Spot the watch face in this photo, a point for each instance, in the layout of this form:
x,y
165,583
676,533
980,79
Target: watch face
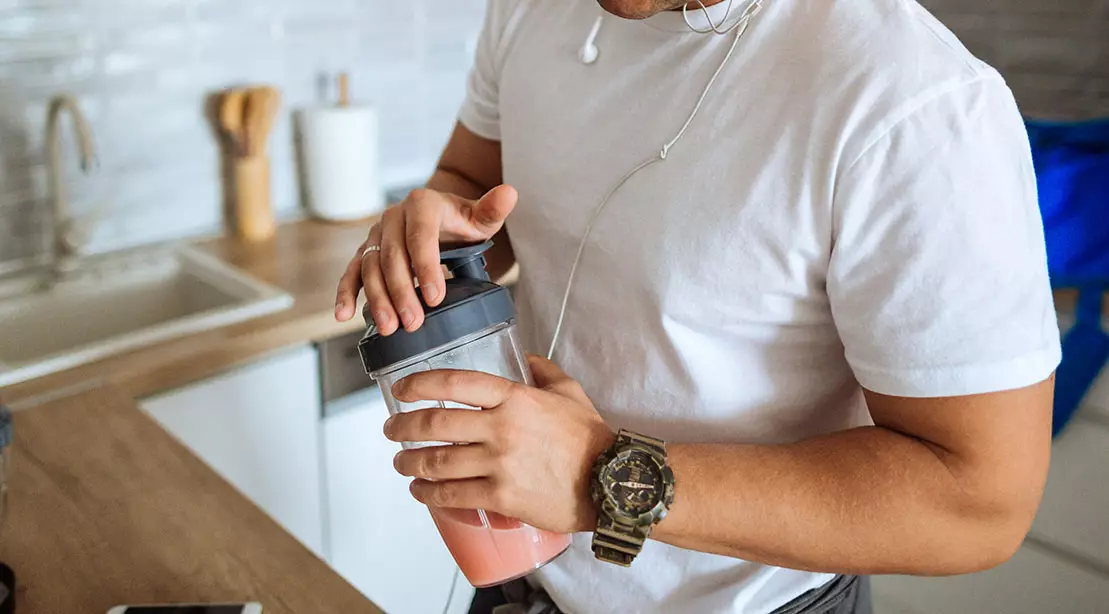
x,y
634,482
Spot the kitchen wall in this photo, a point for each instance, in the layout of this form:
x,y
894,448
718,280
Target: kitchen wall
x,y
1054,53
142,68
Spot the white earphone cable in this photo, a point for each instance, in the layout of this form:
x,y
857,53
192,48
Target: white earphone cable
x,y
716,27
740,27
744,20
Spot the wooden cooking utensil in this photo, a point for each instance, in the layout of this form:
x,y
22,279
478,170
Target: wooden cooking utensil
x,y
251,116
344,90
252,215
261,109
252,211
272,105
231,114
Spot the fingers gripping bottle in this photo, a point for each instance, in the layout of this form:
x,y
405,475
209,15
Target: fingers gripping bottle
x,y
473,329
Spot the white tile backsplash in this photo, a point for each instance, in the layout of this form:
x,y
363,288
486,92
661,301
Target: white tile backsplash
x,y
142,69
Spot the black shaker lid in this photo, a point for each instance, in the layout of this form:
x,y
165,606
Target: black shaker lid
x,y
472,303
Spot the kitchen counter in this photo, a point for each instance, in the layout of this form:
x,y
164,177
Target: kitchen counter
x,y
304,258
106,508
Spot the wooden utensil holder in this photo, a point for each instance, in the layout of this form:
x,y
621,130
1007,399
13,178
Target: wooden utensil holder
x,y
251,211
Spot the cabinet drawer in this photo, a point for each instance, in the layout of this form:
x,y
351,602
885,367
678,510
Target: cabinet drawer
x,y
1074,514
1033,582
258,427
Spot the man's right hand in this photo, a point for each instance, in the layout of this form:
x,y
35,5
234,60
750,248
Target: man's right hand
x,y
409,235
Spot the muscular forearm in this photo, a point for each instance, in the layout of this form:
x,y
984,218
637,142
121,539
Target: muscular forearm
x,y
450,181
499,259
864,501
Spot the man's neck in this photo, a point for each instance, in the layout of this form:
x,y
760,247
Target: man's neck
x,y
694,6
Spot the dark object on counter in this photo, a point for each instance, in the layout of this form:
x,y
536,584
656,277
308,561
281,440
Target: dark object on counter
x,y
7,576
7,589
6,435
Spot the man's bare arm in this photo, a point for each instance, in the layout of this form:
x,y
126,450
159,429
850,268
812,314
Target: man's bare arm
x,y
469,167
937,487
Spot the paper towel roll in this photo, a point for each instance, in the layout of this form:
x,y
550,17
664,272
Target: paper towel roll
x,y
339,162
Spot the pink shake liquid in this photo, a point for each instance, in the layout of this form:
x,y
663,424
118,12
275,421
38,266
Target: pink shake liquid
x,y
491,549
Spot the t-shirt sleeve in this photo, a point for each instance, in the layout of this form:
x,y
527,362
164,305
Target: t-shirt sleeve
x,y
480,111
938,278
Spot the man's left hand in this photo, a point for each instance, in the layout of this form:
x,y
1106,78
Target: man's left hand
x,y
529,453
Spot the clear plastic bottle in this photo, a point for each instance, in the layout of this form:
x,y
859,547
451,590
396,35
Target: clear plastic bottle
x,y
474,329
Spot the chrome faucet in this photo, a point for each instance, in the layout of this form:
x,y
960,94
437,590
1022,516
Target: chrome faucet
x,y
66,244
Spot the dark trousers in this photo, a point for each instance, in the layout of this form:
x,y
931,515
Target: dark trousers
x,y
844,595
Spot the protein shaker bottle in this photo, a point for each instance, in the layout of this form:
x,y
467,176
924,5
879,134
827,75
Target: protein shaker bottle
x,y
473,329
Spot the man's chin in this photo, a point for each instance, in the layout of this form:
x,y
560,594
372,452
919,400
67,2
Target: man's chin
x,y
630,9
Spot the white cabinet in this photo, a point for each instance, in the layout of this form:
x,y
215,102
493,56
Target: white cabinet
x,y
1033,582
258,427
381,539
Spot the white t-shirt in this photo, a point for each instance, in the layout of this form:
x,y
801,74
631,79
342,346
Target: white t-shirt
x,y
854,205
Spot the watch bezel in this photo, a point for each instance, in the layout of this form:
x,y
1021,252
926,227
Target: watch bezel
x,y
607,501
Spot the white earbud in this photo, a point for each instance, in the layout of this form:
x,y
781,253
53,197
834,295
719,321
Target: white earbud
x,y
589,51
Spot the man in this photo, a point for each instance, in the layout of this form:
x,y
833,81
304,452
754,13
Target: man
x,y
829,300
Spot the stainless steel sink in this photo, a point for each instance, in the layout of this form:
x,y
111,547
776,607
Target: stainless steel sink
x,y
120,303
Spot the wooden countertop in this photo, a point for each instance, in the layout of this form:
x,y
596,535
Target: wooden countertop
x,y
106,509
304,258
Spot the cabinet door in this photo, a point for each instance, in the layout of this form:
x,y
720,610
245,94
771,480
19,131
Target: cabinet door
x,y
381,539
258,427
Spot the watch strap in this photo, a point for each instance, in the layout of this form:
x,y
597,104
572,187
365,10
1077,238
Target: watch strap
x,y
624,438
616,542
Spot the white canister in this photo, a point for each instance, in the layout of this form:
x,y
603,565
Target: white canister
x,y
339,166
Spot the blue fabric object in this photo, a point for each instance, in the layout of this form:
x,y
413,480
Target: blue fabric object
x,y
1072,172
1085,352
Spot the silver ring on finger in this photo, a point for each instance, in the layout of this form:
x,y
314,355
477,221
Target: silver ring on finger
x,y
370,249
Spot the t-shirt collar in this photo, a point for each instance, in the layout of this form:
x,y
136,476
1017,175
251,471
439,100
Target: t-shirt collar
x,y
671,21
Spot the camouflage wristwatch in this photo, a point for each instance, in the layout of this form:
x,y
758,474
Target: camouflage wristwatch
x,y
632,488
